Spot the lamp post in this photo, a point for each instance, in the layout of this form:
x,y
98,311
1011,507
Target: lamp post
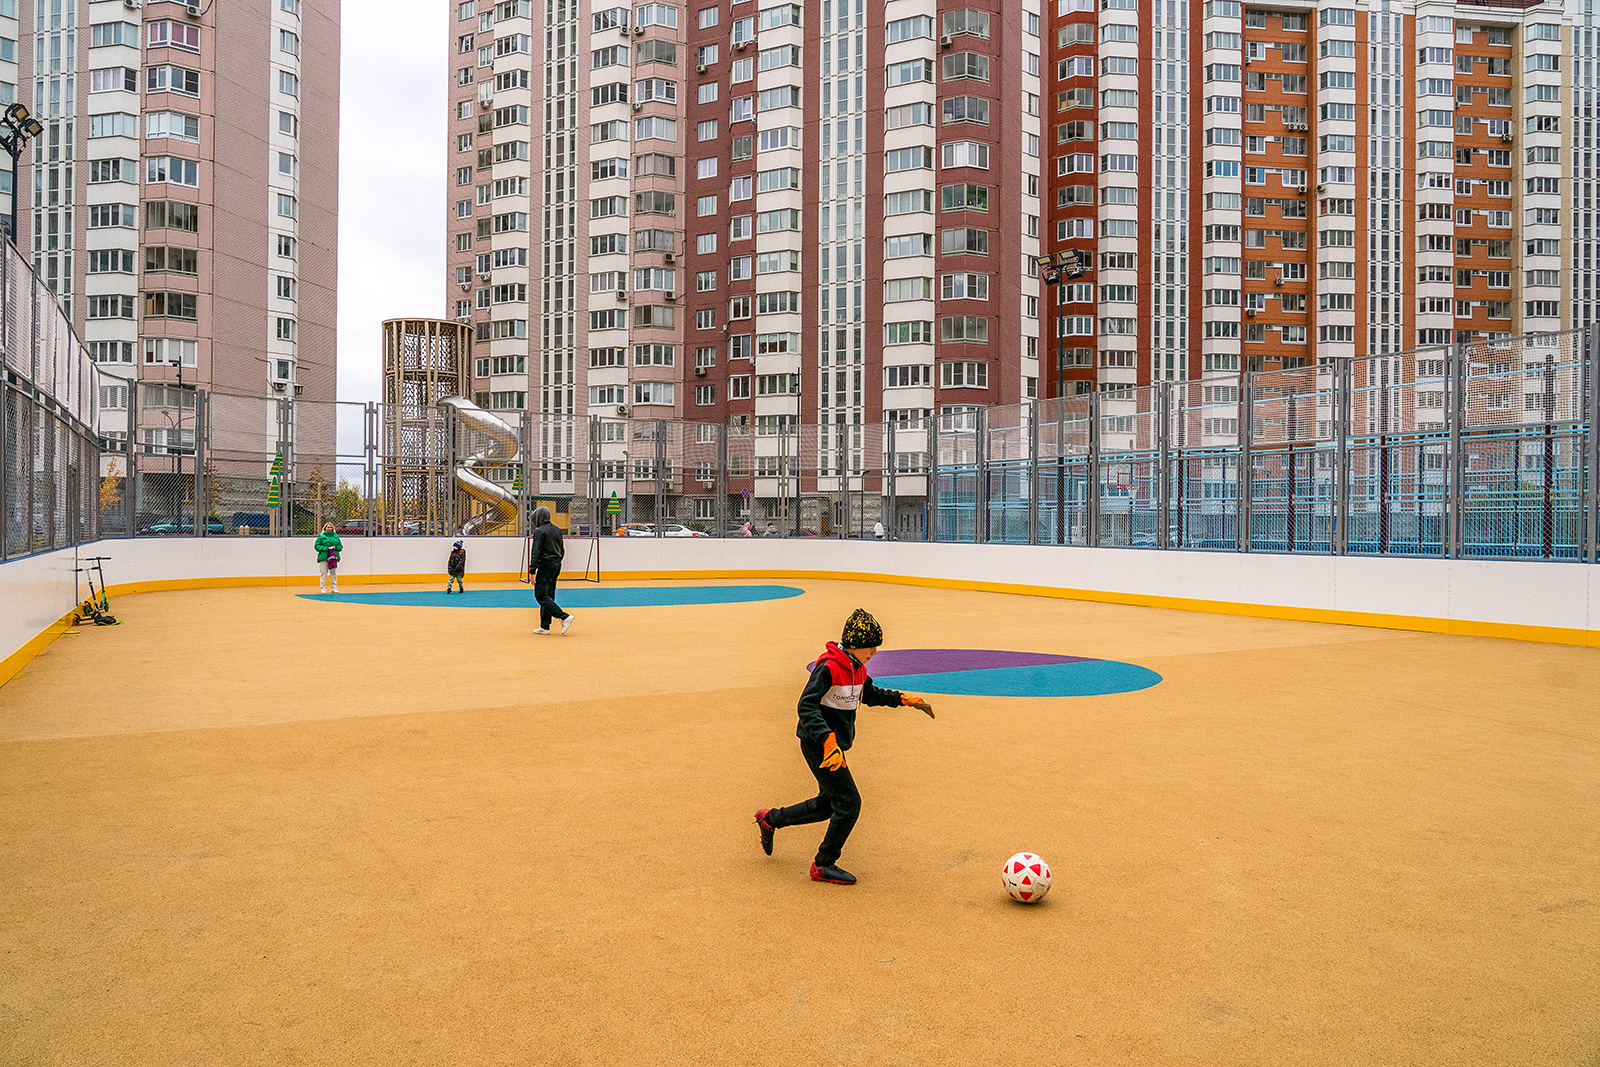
x,y
17,125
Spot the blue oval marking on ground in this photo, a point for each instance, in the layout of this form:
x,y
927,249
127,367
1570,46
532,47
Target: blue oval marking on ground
x,y
1083,678
570,597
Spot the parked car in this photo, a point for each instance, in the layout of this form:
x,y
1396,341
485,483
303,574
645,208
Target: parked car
x,y
184,527
675,530
801,533
410,528
358,528
636,529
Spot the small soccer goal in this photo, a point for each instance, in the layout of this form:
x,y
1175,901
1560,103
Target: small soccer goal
x,y
589,546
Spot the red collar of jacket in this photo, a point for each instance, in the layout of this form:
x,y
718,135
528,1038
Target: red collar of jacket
x,y
843,666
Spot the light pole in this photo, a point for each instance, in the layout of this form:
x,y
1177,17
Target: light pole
x,y
17,125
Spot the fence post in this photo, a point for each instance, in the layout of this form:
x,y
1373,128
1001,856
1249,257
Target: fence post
x,y
1342,384
661,477
1033,472
369,473
892,518
1591,348
721,510
8,445
1091,536
286,482
524,457
930,528
202,429
1164,471
130,496
1247,426
1455,464
980,449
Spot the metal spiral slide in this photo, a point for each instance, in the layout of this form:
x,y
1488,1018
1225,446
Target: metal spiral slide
x,y
498,446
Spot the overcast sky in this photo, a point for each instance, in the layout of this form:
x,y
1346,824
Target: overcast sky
x,y
391,177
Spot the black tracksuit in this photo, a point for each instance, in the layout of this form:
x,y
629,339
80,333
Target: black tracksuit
x,y
838,801
544,563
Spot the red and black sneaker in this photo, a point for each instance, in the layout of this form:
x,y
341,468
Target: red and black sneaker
x,y
832,874
767,830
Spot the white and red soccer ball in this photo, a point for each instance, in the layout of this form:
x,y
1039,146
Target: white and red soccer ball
x,y
1026,877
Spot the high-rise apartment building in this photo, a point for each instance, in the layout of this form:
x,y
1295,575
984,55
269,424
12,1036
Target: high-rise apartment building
x,y
833,213
1265,186
8,96
182,201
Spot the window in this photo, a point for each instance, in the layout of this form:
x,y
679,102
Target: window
x,y
964,239
908,29
112,261
111,79
172,170
657,51
115,33
964,154
165,305
964,287
781,178
907,377
967,65
964,375
170,351
286,246
965,109
119,215
113,170
964,329
916,70
654,127
115,124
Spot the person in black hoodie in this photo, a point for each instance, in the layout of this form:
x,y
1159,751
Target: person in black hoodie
x,y
544,564
827,727
456,568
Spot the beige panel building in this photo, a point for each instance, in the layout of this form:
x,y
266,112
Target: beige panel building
x,y
182,201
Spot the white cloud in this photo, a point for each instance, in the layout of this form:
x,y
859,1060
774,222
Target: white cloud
x,y
394,95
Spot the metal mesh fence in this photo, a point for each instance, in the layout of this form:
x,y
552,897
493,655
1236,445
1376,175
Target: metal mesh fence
x,y
1483,450
51,491
1486,450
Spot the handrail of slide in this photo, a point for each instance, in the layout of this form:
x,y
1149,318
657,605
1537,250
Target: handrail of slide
x,y
500,448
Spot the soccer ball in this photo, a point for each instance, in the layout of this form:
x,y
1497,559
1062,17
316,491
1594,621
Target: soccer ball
x,y
1026,877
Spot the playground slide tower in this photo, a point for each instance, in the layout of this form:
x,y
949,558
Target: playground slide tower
x,y
487,442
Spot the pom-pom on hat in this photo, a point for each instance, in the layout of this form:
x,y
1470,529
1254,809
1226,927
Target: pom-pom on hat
x,y
861,630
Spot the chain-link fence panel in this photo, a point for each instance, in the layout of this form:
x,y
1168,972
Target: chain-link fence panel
x,y
49,398
1129,478
1293,459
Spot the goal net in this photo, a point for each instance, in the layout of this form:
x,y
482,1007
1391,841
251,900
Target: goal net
x,y
589,546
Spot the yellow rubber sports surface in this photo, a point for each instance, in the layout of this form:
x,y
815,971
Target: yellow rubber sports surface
x,y
246,827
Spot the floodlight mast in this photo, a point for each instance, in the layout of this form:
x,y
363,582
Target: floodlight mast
x,y
17,127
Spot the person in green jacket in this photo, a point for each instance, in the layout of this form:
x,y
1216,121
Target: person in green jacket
x,y
328,548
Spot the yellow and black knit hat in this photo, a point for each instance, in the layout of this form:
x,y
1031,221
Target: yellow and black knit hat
x,y
861,631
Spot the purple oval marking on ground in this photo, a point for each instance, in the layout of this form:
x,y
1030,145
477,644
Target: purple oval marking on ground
x,y
899,661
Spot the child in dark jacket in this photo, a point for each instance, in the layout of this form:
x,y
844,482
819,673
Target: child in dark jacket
x,y
827,728
456,568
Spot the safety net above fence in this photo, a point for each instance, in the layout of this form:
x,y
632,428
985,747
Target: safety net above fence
x,y
49,454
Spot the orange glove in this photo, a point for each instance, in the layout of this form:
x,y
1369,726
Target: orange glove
x,y
912,700
832,755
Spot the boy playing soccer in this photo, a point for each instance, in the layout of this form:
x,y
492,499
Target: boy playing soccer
x,y
827,727
456,568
